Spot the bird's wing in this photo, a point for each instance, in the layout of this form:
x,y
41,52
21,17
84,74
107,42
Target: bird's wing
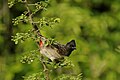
x,y
60,48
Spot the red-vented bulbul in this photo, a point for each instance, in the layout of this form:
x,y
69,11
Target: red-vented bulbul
x,y
56,51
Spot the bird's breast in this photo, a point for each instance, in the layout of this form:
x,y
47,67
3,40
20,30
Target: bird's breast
x,y
51,53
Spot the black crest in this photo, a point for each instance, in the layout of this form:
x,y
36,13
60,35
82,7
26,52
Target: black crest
x,y
65,49
71,45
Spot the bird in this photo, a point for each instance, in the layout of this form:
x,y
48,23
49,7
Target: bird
x,y
56,51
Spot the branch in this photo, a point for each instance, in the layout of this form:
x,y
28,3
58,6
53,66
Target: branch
x,y
39,34
46,71
31,19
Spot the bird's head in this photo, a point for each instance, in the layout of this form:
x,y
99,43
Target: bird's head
x,y
71,45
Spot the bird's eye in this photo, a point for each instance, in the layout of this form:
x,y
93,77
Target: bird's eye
x,y
71,45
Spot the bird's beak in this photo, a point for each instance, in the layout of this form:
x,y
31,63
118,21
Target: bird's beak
x,y
74,48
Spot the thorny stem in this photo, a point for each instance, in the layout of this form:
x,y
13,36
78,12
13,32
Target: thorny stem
x,y
31,20
39,34
45,70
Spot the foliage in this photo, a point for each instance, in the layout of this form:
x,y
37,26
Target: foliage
x,y
67,77
27,17
21,37
35,76
29,57
94,24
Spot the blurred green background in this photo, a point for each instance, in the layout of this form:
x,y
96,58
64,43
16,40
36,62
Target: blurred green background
x,y
94,24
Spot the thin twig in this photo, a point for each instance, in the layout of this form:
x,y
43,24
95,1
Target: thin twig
x,y
46,71
32,4
39,34
31,19
29,12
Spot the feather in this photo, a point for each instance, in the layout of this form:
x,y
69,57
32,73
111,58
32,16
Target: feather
x,y
57,50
